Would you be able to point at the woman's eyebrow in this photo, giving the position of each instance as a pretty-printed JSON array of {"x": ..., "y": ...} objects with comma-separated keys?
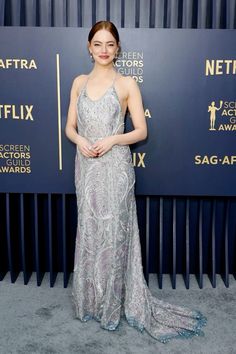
[{"x": 106, "y": 42}]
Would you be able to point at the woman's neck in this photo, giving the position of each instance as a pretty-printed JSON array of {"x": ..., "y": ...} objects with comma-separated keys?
[{"x": 103, "y": 71}]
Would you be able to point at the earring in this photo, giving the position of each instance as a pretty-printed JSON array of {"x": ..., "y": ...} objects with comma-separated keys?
[{"x": 91, "y": 56}]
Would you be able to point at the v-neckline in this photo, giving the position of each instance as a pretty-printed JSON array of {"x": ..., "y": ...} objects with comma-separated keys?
[
  {"x": 109, "y": 87},
  {"x": 98, "y": 99}
]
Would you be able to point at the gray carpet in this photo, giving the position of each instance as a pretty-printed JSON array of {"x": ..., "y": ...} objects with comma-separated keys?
[{"x": 40, "y": 320}]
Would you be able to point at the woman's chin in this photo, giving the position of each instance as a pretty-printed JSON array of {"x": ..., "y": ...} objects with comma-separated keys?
[{"x": 104, "y": 62}]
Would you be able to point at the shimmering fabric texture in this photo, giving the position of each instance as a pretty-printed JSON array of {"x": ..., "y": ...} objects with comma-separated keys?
[{"x": 108, "y": 281}]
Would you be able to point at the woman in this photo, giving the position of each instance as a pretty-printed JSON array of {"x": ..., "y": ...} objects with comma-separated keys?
[{"x": 108, "y": 280}]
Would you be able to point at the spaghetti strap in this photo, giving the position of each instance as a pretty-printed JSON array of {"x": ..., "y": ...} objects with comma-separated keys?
[
  {"x": 114, "y": 79},
  {"x": 85, "y": 85}
]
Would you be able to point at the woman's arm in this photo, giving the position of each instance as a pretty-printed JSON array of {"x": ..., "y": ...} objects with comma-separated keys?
[
  {"x": 71, "y": 123},
  {"x": 136, "y": 110}
]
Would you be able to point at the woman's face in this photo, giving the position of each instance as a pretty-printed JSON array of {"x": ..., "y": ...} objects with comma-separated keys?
[{"x": 103, "y": 47}]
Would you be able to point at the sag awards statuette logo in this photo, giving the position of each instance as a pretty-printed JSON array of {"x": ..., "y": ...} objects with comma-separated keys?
[
  {"x": 222, "y": 116},
  {"x": 15, "y": 158}
]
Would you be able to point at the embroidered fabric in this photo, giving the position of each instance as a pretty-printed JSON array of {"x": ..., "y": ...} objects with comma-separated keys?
[{"x": 108, "y": 281}]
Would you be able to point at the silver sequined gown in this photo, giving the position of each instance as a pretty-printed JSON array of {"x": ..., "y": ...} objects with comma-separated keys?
[{"x": 108, "y": 281}]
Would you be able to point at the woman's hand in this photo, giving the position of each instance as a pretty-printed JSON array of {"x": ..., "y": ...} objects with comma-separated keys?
[
  {"x": 104, "y": 145},
  {"x": 86, "y": 148}
]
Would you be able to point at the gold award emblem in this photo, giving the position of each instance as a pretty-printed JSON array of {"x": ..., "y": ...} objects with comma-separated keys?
[
  {"x": 212, "y": 109},
  {"x": 226, "y": 116}
]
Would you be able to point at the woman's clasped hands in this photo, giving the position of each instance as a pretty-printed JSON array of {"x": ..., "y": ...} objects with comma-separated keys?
[{"x": 97, "y": 149}]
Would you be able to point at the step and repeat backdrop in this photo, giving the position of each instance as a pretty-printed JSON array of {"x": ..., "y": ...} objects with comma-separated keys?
[{"x": 187, "y": 81}]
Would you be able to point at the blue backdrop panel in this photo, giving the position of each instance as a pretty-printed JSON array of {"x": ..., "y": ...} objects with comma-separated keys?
[{"x": 187, "y": 79}]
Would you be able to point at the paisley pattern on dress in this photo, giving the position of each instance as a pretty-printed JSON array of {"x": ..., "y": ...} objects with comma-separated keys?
[{"x": 108, "y": 281}]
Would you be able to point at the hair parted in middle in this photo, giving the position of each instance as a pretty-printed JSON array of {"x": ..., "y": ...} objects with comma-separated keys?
[{"x": 109, "y": 26}]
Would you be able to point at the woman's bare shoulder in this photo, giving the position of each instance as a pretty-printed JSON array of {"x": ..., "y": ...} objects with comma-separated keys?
[
  {"x": 127, "y": 84},
  {"x": 127, "y": 80},
  {"x": 79, "y": 81}
]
